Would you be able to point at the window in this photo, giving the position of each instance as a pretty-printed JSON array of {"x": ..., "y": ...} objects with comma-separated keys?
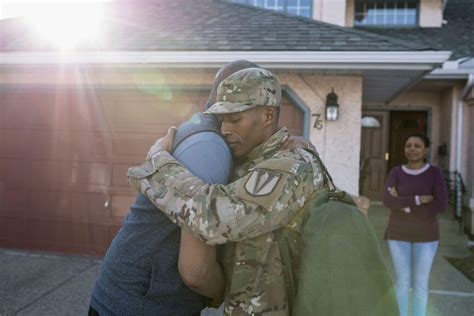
[
  {"x": 295, "y": 7},
  {"x": 386, "y": 13}
]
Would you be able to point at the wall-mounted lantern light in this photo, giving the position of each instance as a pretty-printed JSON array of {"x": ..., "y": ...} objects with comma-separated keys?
[{"x": 332, "y": 108}]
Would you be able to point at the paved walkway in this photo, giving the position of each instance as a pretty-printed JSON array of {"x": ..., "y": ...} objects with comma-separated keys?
[{"x": 37, "y": 283}]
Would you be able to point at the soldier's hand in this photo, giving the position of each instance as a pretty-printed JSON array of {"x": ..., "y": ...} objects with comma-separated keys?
[
  {"x": 363, "y": 203},
  {"x": 163, "y": 144}
]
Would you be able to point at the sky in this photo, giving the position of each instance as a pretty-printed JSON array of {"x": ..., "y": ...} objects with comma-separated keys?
[
  {"x": 64, "y": 23},
  {"x": 12, "y": 8}
]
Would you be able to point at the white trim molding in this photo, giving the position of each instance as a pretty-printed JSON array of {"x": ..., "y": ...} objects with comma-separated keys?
[
  {"x": 439, "y": 73},
  {"x": 409, "y": 60},
  {"x": 454, "y": 69}
]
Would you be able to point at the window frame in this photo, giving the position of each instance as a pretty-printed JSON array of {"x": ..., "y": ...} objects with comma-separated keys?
[
  {"x": 284, "y": 6},
  {"x": 385, "y": 2}
]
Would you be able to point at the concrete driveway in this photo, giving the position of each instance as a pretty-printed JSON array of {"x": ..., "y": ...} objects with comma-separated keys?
[{"x": 39, "y": 283}]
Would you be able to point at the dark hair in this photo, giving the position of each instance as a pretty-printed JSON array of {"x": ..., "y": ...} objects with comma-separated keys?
[
  {"x": 225, "y": 72},
  {"x": 426, "y": 140}
]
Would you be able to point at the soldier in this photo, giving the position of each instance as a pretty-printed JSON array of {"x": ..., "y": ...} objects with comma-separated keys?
[{"x": 263, "y": 203}]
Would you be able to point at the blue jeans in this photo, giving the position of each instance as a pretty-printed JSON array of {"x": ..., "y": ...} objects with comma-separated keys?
[{"x": 412, "y": 264}]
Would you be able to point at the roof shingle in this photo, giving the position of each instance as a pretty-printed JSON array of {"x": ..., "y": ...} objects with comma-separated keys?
[
  {"x": 210, "y": 25},
  {"x": 457, "y": 35}
]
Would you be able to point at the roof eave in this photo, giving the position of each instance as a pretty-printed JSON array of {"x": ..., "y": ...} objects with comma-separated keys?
[
  {"x": 456, "y": 69},
  {"x": 415, "y": 60}
]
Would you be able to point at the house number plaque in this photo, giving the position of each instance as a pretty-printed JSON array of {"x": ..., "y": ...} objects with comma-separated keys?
[{"x": 318, "y": 122}]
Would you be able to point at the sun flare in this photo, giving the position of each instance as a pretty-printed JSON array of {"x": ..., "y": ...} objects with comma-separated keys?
[{"x": 64, "y": 23}]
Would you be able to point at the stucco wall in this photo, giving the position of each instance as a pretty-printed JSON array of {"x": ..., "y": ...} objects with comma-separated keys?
[
  {"x": 470, "y": 136},
  {"x": 107, "y": 76},
  {"x": 431, "y": 13},
  {"x": 466, "y": 159},
  {"x": 330, "y": 11},
  {"x": 338, "y": 142},
  {"x": 466, "y": 132},
  {"x": 446, "y": 133},
  {"x": 453, "y": 131},
  {"x": 350, "y": 11}
]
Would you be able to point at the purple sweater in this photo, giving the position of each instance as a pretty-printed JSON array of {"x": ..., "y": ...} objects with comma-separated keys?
[{"x": 420, "y": 224}]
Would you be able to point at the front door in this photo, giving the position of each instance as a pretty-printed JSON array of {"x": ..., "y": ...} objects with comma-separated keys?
[
  {"x": 374, "y": 147},
  {"x": 382, "y": 146}
]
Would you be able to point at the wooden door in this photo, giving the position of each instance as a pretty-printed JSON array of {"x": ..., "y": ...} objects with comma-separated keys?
[
  {"x": 402, "y": 124},
  {"x": 374, "y": 146}
]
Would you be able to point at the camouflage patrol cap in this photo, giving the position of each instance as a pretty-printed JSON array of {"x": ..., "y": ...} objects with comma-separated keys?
[{"x": 245, "y": 90}]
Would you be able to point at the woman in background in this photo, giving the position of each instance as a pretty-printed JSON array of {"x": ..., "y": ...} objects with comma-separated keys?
[{"x": 415, "y": 193}]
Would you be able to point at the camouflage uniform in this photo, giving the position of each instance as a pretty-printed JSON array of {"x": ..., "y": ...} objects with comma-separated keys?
[{"x": 269, "y": 189}]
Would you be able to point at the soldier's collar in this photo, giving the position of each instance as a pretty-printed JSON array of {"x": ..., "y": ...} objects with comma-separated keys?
[{"x": 269, "y": 146}]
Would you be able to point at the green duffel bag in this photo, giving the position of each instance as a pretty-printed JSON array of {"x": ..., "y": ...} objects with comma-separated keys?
[{"x": 342, "y": 270}]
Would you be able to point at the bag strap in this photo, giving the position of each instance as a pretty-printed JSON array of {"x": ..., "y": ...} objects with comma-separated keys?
[
  {"x": 283, "y": 242},
  {"x": 327, "y": 179}
]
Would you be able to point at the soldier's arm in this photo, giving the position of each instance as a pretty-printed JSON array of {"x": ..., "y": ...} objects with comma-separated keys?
[{"x": 262, "y": 201}]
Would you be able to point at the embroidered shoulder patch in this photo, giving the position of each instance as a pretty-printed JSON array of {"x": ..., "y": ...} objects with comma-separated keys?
[{"x": 262, "y": 182}]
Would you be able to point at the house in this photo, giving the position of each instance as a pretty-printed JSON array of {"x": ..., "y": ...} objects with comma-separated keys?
[
  {"x": 435, "y": 103},
  {"x": 73, "y": 120},
  {"x": 448, "y": 90}
]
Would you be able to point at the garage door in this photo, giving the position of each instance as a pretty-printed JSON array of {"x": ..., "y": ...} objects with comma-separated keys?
[{"x": 64, "y": 156}]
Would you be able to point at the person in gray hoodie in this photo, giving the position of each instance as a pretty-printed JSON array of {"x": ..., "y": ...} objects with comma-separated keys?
[{"x": 151, "y": 266}]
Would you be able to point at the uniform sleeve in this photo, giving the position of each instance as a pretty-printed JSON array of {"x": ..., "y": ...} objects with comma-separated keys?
[
  {"x": 262, "y": 201},
  {"x": 394, "y": 202}
]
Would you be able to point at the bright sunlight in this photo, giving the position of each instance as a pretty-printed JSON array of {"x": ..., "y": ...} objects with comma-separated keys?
[{"x": 63, "y": 23}]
